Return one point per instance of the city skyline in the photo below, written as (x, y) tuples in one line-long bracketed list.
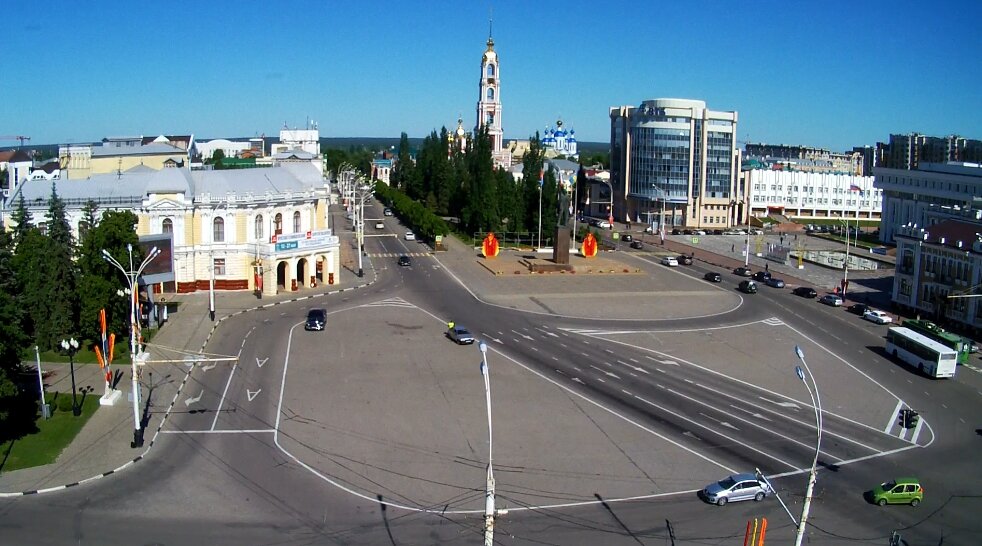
[(830, 78)]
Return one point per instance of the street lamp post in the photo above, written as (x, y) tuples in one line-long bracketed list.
[(489, 486), (70, 346), (845, 264), (817, 404), (132, 279), (538, 243), (360, 196)]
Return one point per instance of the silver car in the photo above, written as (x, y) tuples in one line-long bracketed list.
[(736, 488), (460, 335)]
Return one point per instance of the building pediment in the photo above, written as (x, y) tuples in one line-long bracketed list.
[(158, 204)]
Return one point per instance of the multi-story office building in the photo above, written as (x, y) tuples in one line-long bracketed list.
[(927, 195), (674, 162), (810, 195)]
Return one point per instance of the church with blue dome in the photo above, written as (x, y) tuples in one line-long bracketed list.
[(559, 141)]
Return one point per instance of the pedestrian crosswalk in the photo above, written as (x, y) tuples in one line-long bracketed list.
[(397, 254)]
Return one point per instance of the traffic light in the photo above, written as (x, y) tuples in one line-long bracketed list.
[(912, 419), (902, 418)]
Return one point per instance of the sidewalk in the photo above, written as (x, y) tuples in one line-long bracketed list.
[(102, 447)]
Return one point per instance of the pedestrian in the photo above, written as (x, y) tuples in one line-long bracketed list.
[(733, 247), (766, 266), (450, 325), (795, 236)]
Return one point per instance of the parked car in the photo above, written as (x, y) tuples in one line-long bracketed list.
[(761, 276), (717, 232), (774, 282), (460, 335), (713, 276), (877, 316), (699, 232), (898, 491), (626, 237), (676, 231), (404, 261), (805, 292), (743, 271), (684, 259), (604, 224), (410, 236), (379, 225), (738, 487), (387, 212), (670, 261), (316, 320), (858, 308), (637, 244), (831, 299), (748, 286), (686, 232)]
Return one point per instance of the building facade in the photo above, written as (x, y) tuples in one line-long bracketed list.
[(927, 195), (811, 195), (116, 155), (911, 150), (674, 162), (263, 229), (806, 158)]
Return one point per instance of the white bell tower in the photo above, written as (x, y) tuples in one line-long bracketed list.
[(489, 103)]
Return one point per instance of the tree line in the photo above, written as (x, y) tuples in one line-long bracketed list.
[(52, 287)]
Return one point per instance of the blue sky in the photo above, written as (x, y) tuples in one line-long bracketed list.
[(828, 74)]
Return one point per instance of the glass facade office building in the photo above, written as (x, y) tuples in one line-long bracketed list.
[(677, 160)]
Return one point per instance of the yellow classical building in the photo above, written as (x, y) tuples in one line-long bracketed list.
[(116, 155)]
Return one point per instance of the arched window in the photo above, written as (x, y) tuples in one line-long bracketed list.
[(490, 119), (490, 70), (167, 226), (278, 224), (490, 93), (259, 227), (218, 230), (296, 222)]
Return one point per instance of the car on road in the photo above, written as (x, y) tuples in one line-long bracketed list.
[(877, 316), (316, 320), (858, 309), (387, 212), (748, 286), (379, 225), (805, 292), (670, 261), (743, 271), (404, 261), (684, 259), (739, 487), (713, 276), (831, 299), (761, 276), (626, 237), (898, 491), (410, 236), (774, 282), (637, 244), (676, 231), (460, 335)]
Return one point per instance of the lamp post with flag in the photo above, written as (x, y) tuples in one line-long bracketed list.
[(542, 175), (845, 263)]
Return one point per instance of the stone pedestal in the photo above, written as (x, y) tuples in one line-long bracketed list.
[(560, 247), (110, 398)]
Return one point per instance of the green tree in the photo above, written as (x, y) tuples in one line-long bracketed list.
[(12, 338), (480, 214), (100, 280), (22, 219), (402, 173)]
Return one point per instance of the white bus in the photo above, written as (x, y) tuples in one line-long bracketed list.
[(922, 352)]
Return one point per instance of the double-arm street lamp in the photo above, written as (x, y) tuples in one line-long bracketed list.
[(817, 404), (132, 279), (70, 346), (363, 192), (489, 511)]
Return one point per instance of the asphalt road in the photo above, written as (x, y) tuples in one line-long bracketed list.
[(375, 431)]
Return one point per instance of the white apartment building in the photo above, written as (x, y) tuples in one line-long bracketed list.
[(928, 195), (806, 195)]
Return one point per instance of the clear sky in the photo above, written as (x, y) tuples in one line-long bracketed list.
[(830, 74)]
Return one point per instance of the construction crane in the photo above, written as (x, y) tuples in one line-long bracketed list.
[(17, 137)]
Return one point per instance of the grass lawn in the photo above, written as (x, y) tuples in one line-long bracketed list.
[(53, 435)]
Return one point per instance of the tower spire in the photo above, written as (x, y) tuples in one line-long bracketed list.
[(490, 21)]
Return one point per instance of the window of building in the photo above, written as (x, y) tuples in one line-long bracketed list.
[(218, 230), (278, 224), (219, 265), (490, 70), (167, 226), (259, 227), (296, 222), (490, 93)]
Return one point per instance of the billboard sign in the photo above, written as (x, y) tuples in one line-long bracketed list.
[(161, 269)]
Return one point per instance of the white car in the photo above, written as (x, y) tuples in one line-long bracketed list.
[(604, 224), (410, 236), (379, 225), (670, 261), (877, 316)]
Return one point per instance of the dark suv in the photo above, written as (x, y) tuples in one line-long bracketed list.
[(316, 319), (684, 259)]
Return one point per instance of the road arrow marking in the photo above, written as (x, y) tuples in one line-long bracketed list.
[(633, 360), (251, 394), (192, 400), (578, 380), (782, 404), (528, 337), (547, 332), (492, 338), (615, 376), (757, 415), (724, 423), (260, 363), (208, 367), (669, 362), (691, 435)]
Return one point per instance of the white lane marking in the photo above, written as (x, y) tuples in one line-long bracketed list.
[(600, 380), (241, 431), (533, 348), (547, 332), (669, 362), (724, 423), (218, 411), (660, 370), (756, 415), (917, 432), (252, 395), (526, 336), (610, 374), (633, 360), (714, 431), (608, 351), (584, 354), (492, 338), (782, 404), (194, 399), (635, 368), (626, 392), (261, 362), (563, 345), (555, 358), (578, 380), (649, 357), (577, 369), (896, 411), (208, 367)]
